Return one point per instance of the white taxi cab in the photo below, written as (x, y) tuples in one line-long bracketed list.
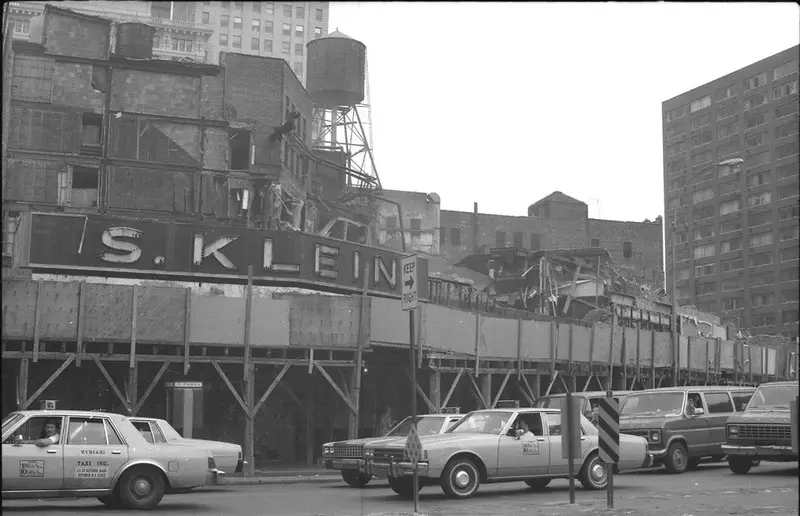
[(67, 453)]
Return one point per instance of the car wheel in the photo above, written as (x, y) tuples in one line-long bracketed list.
[(460, 478), (141, 488), (740, 465), (404, 486), (538, 483), (355, 479), (112, 501), (677, 459), (594, 474)]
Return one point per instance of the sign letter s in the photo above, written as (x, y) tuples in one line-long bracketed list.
[(132, 251)]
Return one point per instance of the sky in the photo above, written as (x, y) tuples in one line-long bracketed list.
[(504, 103)]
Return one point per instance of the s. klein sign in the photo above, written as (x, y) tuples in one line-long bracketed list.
[(195, 252)]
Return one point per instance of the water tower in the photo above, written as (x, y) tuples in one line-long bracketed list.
[(338, 84)]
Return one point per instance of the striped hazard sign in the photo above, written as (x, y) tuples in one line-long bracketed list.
[(608, 428)]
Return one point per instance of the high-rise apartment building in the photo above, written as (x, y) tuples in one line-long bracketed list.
[(731, 195), (201, 30)]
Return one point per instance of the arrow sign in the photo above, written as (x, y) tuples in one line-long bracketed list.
[(409, 268)]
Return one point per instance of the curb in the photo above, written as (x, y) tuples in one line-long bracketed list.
[(253, 481)]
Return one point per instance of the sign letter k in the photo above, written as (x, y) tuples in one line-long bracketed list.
[(201, 252)]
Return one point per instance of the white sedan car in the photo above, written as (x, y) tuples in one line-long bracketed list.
[(227, 456)]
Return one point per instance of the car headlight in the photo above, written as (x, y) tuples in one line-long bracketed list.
[(733, 430), (425, 455), (368, 453), (655, 436), (327, 450)]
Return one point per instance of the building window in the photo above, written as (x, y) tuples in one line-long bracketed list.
[(298, 49), (765, 299), (682, 274), (728, 246), (286, 47), (238, 5), (225, 5), (269, 7), (500, 239), (32, 79), (267, 45), (706, 212), (784, 70), (755, 81), (237, 22), (255, 25), (455, 236), (223, 40), (759, 199), (727, 130), (761, 239), (730, 226), (254, 44), (268, 27), (758, 219), (790, 88), (702, 158), (182, 45), (518, 239), (790, 149), (759, 320), (675, 149), (701, 289), (726, 111), (536, 241), (703, 232), (299, 31), (595, 242), (317, 32), (757, 260), (751, 121), (704, 270), (206, 17), (286, 29), (755, 160), (790, 233), (727, 150), (256, 7), (701, 121), (237, 41), (786, 109), (733, 264), (788, 170), (391, 225), (785, 131), (755, 141), (704, 251), (627, 250), (287, 10), (298, 71), (757, 280), (416, 226), (224, 20), (723, 94), (789, 212), (699, 104), (755, 101), (703, 195), (22, 27), (319, 15), (729, 187), (790, 253), (789, 296), (701, 140), (681, 255), (732, 304), (156, 42), (786, 191), (301, 12), (790, 316), (792, 274)]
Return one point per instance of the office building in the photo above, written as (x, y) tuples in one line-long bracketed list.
[(731, 195)]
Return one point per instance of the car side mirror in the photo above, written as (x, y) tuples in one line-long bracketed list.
[(518, 433), (18, 440)]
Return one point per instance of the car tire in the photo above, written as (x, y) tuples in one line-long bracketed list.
[(594, 474), (404, 486), (141, 488), (538, 483), (461, 478), (677, 458), (740, 465), (355, 479), (111, 501)]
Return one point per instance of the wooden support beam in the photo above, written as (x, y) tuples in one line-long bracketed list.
[(289, 392), (111, 382), (588, 381), (50, 380), (36, 318), (477, 340), (563, 383), (552, 381), (187, 316), (435, 388), (428, 402), (519, 349), (525, 389), (225, 379), (354, 419), (22, 384), (336, 387), (500, 390), (133, 388), (309, 418), (452, 387), (270, 389), (81, 316), (344, 382), (133, 332), (152, 386), (477, 391)]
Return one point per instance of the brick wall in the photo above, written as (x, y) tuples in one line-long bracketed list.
[(155, 93), (70, 34), (73, 86), (416, 206), (211, 91), (646, 259)]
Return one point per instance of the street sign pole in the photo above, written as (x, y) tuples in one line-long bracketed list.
[(570, 449), (409, 304), (608, 434), (571, 432)]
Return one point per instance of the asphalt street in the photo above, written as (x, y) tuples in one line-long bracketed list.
[(770, 489)]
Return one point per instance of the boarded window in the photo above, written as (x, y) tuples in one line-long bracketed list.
[(455, 236), (40, 129), (151, 140), (518, 239), (536, 241), (391, 225), (33, 180), (627, 249), (33, 79), (595, 242), (150, 190), (416, 225), (500, 239)]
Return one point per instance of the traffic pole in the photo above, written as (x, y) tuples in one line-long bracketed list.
[(610, 467), (413, 363), (570, 451)]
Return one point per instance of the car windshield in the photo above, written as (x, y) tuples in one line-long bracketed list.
[(772, 397), (170, 433), (652, 404), (10, 420), (425, 426), (481, 422)]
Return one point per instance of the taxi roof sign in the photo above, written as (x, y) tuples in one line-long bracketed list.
[(507, 404), (47, 405), (450, 410)]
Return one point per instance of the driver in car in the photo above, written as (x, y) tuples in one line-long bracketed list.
[(51, 434)]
